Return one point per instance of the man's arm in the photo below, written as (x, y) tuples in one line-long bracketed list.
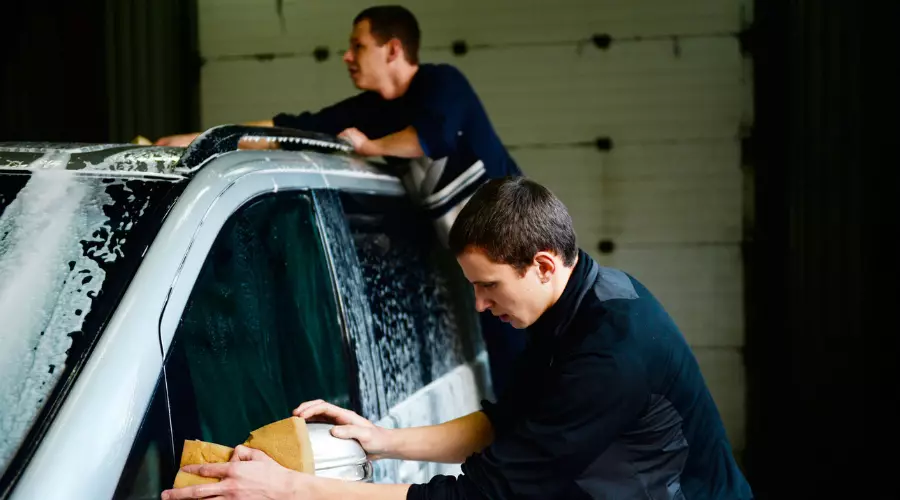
[(443, 111), (450, 442), (251, 474), (253, 471), (355, 111), (402, 144), (436, 124), (329, 120), (345, 490), (183, 140), (260, 123)]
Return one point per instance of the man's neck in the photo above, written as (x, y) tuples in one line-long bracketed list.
[(399, 81), (562, 281)]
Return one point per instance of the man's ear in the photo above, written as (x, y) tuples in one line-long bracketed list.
[(395, 49), (546, 266)]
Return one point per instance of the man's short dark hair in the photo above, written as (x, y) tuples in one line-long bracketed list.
[(512, 219), (393, 21)]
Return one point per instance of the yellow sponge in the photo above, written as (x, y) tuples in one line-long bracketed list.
[(183, 479), (287, 442), (198, 453)]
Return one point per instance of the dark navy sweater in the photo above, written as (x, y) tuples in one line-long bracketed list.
[(453, 129), (607, 402)]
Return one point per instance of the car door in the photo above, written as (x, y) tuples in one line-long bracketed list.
[(259, 334), (254, 323), (425, 329)]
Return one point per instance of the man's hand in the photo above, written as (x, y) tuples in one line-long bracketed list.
[(180, 140), (402, 144), (348, 425), (360, 142), (250, 475)]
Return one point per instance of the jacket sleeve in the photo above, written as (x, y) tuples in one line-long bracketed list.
[(443, 111), (566, 426), (351, 112)]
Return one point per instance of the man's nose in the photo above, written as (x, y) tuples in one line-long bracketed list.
[(348, 56), (481, 304)]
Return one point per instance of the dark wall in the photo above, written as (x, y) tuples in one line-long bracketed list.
[(822, 272), (53, 80), (98, 71), (153, 68)]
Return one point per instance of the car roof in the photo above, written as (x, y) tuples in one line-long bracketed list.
[(111, 159), (131, 160)]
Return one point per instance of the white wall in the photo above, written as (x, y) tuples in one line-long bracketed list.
[(672, 92)]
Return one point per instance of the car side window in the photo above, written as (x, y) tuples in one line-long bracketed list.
[(260, 332), (423, 312)]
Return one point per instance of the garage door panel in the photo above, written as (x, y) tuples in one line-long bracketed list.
[(573, 175), (631, 92), (701, 287), (673, 193), (724, 372), (236, 91), (656, 193), (634, 92), (231, 27)]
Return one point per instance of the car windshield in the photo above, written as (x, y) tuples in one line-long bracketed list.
[(69, 244)]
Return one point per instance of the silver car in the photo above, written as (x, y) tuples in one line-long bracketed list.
[(150, 295)]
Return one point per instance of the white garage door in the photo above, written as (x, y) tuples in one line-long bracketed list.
[(670, 93)]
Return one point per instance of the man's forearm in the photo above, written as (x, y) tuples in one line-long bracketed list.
[(402, 144), (450, 442), (347, 490), (251, 144), (260, 123)]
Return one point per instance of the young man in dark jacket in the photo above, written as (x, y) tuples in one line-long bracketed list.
[(606, 402), (426, 113)]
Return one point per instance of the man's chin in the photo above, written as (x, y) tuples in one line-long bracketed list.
[(357, 83), (511, 321), (519, 325)]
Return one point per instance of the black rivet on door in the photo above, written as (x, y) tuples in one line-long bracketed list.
[(321, 54), (460, 47), (602, 40), (604, 143), (606, 246)]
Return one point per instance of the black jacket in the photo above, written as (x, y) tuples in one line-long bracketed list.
[(607, 402)]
